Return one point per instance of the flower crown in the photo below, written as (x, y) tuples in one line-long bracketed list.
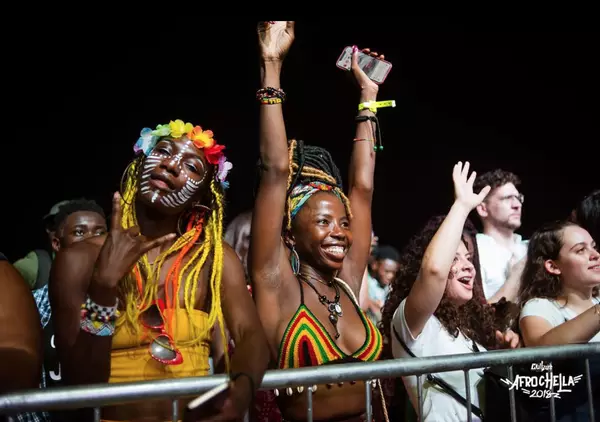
[(202, 139)]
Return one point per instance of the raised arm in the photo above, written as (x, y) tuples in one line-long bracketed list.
[(20, 333), (360, 190), (275, 40), (86, 270), (429, 288)]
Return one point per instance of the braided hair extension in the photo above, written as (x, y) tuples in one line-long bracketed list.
[(312, 164)]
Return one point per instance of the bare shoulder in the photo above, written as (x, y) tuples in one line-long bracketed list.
[(233, 270)]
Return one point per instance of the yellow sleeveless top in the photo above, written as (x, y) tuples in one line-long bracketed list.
[(131, 359)]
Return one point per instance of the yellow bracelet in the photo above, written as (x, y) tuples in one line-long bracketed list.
[(374, 105)]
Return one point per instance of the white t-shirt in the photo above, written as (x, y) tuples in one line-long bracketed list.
[(494, 260), (552, 312), (435, 340)]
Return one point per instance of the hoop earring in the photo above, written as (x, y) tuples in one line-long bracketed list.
[(295, 261), (123, 177), (195, 216)]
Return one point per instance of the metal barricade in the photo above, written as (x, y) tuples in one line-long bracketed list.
[(96, 396)]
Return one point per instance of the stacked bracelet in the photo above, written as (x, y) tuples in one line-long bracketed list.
[(98, 320), (270, 95), (377, 140), (96, 328), (94, 312)]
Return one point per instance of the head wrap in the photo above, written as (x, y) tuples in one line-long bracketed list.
[(302, 193)]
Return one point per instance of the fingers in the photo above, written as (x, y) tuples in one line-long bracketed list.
[(465, 170), (472, 178), (514, 342), (373, 53), (133, 231), (115, 220), (484, 192), (157, 242), (456, 170), (499, 337), (354, 57)]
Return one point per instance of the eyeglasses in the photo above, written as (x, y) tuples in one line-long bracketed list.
[(519, 197), (162, 347)]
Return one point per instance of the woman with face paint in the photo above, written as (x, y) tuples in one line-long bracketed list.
[(436, 304), (306, 281), (143, 305)]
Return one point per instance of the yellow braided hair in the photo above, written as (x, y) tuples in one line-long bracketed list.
[(138, 297)]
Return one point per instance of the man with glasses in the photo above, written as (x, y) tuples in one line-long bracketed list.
[(501, 250)]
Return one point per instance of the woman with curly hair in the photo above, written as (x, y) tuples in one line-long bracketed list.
[(436, 308), (560, 303)]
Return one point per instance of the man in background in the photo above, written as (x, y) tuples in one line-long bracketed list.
[(381, 272), (501, 249), (35, 266)]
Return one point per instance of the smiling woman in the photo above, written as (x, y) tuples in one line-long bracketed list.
[(309, 249), (436, 306)]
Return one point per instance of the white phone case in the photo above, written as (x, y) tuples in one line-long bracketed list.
[(376, 69)]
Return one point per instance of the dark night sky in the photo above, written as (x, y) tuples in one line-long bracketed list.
[(523, 101)]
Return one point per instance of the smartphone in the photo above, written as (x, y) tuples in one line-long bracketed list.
[(206, 403), (376, 69)]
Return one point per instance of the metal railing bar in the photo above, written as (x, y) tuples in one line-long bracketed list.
[(113, 394)]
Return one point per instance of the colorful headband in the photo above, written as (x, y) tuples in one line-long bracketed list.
[(202, 139), (302, 193)]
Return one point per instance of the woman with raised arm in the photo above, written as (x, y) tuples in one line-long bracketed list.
[(142, 306), (308, 251), (435, 306)]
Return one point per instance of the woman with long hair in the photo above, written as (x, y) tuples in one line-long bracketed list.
[(308, 250), (560, 302), (143, 305), (436, 306)]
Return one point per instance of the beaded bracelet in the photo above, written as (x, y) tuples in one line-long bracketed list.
[(269, 93), (90, 310), (97, 328)]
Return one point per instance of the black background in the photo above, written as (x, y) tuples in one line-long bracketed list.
[(522, 100)]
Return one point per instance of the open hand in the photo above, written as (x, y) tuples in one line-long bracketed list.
[(275, 39), (361, 77), (508, 340), (463, 186), (122, 248)]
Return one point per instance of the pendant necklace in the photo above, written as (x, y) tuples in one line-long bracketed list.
[(333, 306)]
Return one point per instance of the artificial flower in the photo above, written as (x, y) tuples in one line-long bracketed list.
[(223, 169), (214, 153), (161, 130), (178, 128), (202, 139), (146, 142)]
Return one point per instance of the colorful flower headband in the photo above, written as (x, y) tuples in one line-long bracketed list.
[(202, 139)]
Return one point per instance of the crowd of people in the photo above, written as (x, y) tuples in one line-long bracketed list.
[(161, 289)]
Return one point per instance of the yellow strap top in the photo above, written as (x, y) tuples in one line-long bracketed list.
[(131, 359)]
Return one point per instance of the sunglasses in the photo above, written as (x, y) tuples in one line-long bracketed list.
[(162, 347)]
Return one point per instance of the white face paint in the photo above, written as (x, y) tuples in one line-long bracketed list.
[(176, 198)]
